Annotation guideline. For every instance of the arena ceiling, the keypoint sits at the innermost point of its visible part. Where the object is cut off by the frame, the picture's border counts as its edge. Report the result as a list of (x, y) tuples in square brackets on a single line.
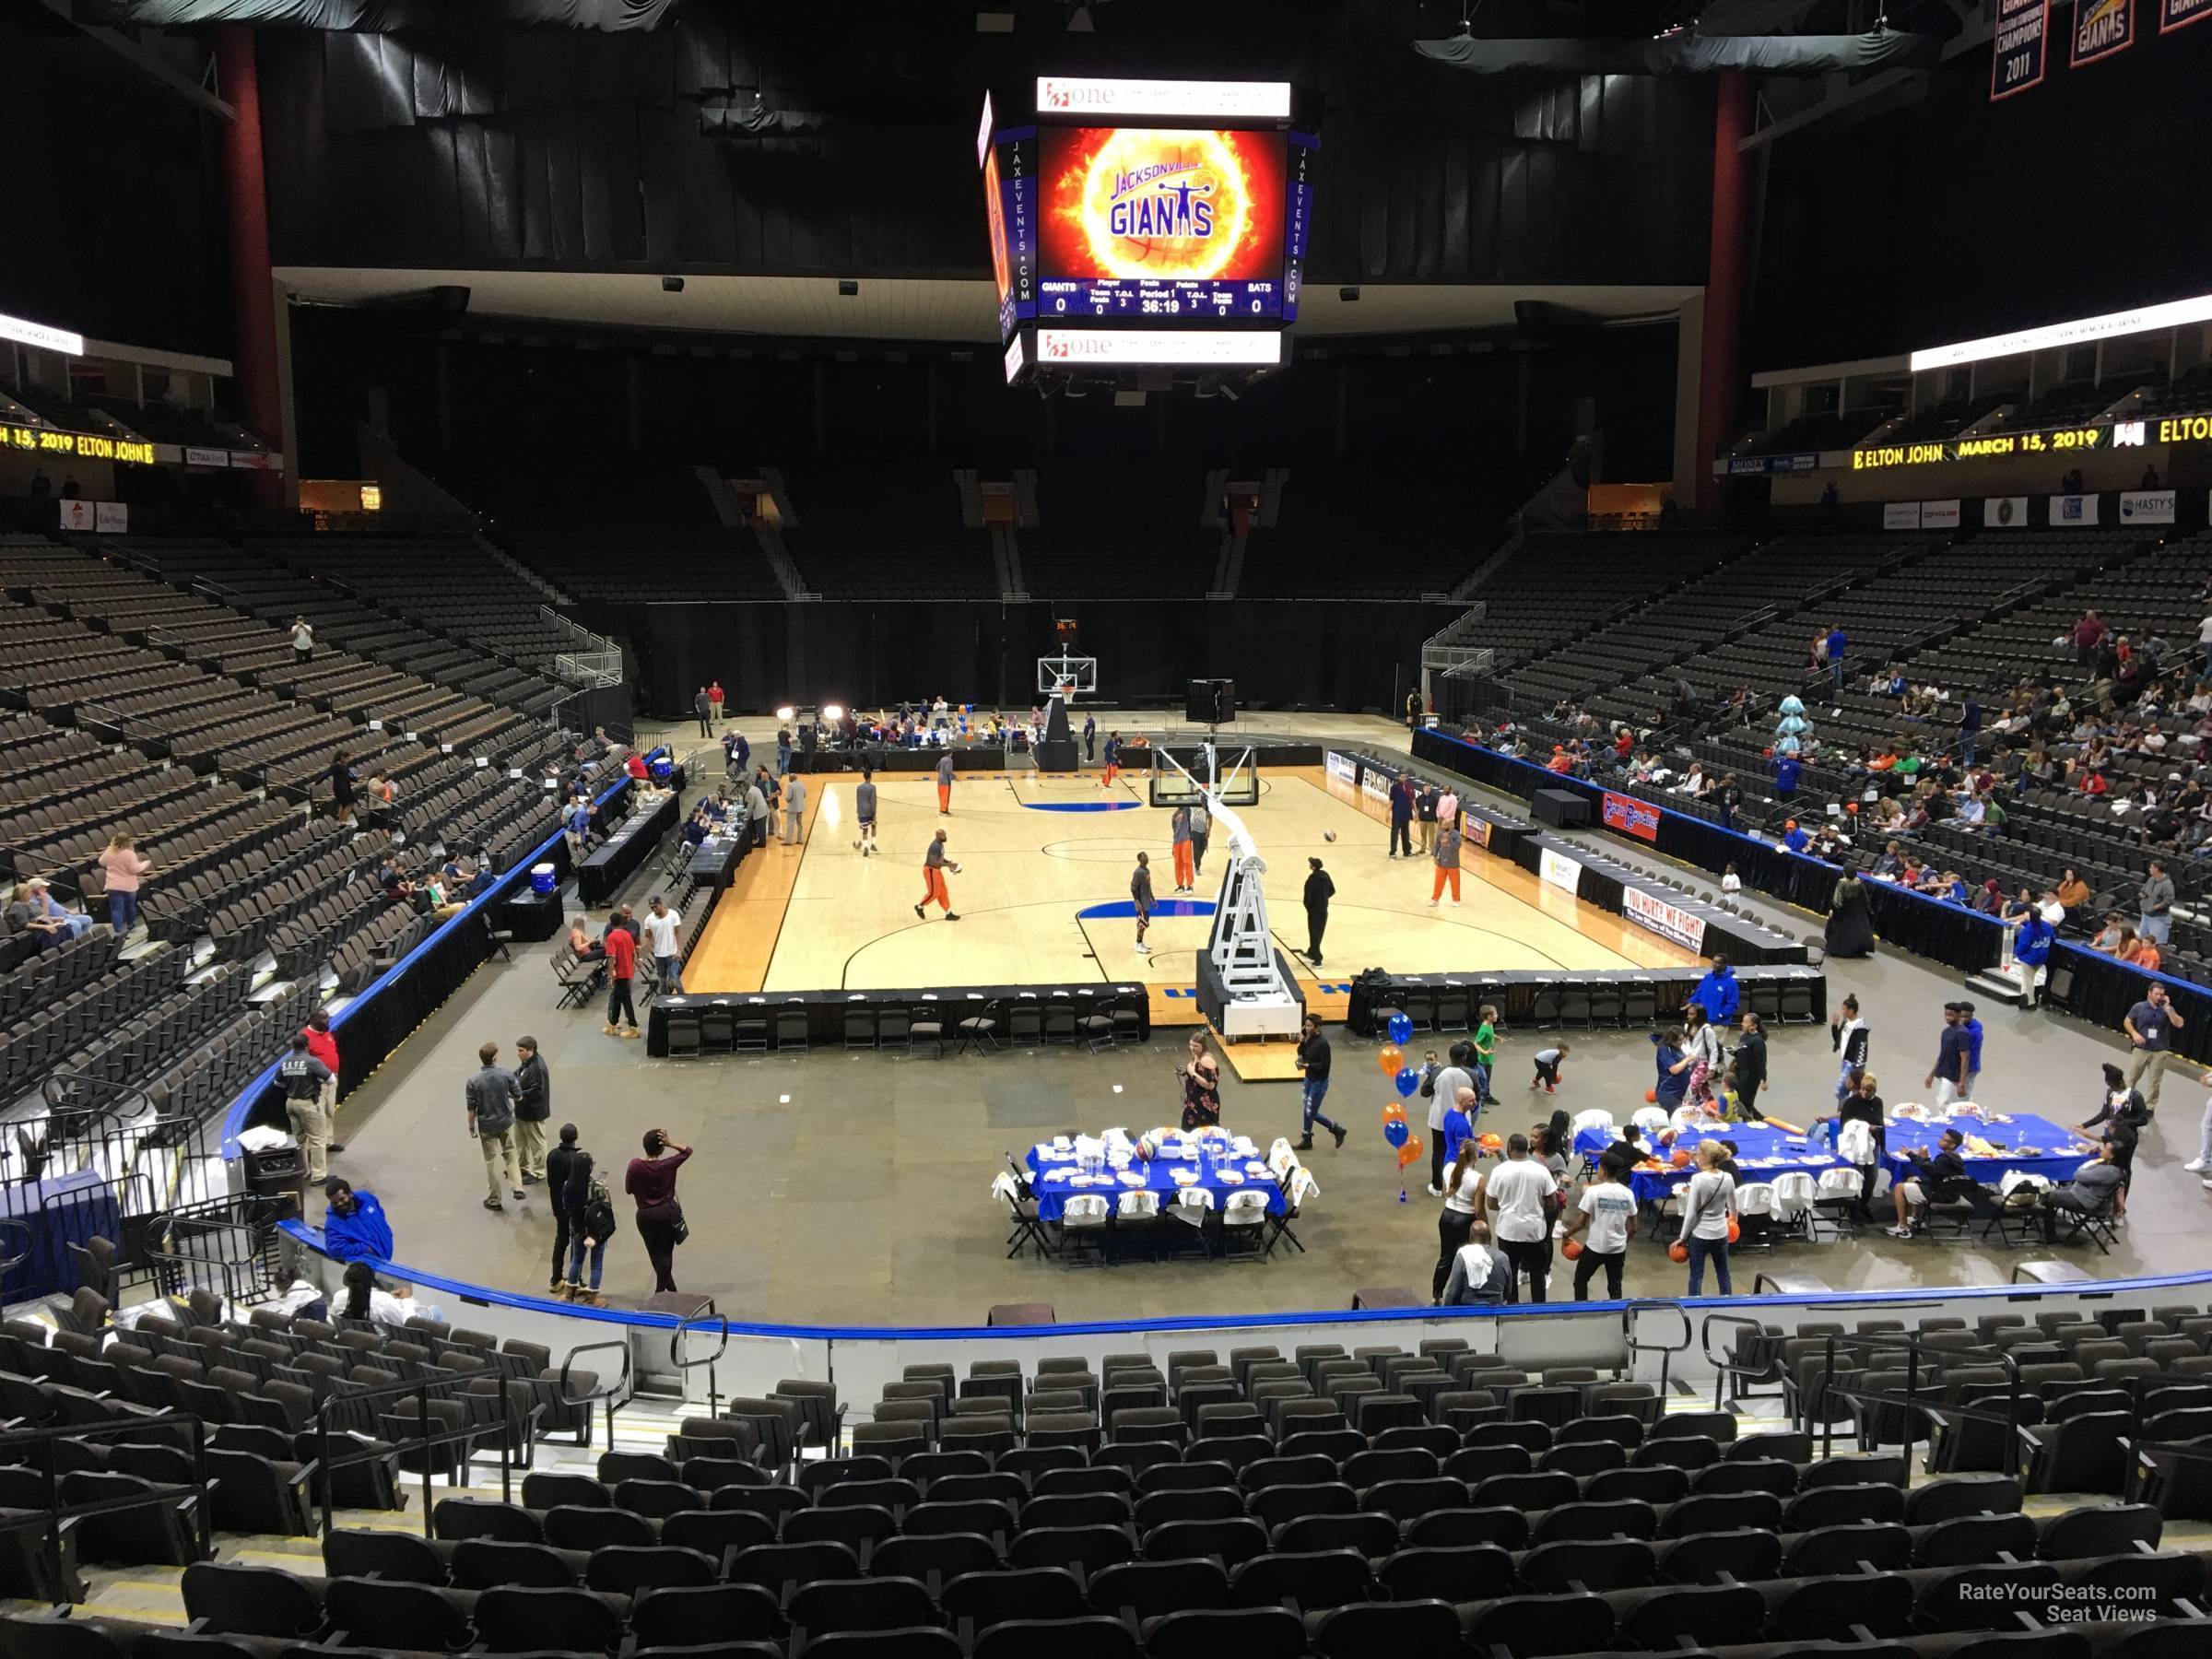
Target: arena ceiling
[(915, 308)]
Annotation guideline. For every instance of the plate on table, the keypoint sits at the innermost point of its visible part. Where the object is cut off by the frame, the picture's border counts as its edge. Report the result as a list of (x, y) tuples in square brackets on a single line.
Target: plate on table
[(1130, 1178), (1060, 1173), (1232, 1178), (1256, 1169), (1183, 1177)]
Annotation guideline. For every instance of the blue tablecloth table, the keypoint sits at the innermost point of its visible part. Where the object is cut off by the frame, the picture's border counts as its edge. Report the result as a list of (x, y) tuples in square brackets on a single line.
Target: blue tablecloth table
[(2034, 1144), (1052, 1176)]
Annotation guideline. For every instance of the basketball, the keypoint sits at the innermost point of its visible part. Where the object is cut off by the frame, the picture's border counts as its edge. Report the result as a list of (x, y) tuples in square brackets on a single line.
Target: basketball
[(1677, 1251), (1681, 1158), (1735, 1230), (1328, 835), (1573, 1250), (1650, 1097)]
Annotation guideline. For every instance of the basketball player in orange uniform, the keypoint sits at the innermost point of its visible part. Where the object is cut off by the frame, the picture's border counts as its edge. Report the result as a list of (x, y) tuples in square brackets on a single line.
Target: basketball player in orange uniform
[(1113, 759), (934, 865), (1446, 854), (945, 786), (1186, 877)]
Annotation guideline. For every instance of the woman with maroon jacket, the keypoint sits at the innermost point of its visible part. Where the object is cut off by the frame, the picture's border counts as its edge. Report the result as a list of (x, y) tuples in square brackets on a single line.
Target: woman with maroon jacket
[(660, 1224)]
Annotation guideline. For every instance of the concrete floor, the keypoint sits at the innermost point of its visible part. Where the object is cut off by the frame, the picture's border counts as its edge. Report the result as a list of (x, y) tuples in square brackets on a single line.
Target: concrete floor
[(838, 1187)]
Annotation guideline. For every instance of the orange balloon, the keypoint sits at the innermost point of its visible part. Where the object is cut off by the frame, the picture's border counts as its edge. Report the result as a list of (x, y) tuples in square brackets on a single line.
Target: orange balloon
[(1409, 1151), (1677, 1251), (1391, 1059), (1681, 1158), (1650, 1097), (1735, 1230), (1573, 1250)]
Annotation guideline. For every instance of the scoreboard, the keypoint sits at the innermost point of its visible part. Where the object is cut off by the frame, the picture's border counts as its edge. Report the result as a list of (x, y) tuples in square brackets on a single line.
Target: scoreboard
[(1193, 214)]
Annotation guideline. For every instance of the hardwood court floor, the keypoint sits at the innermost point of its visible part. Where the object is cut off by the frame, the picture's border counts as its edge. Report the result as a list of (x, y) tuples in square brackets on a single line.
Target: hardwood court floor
[(1037, 853)]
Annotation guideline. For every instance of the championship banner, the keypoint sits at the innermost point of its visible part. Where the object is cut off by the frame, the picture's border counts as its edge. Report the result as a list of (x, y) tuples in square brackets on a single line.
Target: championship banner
[(1900, 516), (1631, 817), (1939, 515), (2101, 27), (2178, 14), (2022, 47), (2005, 512), (1559, 870), (1656, 916), (2073, 510), (2146, 506)]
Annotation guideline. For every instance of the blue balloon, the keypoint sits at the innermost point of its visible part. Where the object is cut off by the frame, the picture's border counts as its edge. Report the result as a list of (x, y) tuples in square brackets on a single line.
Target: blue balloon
[(1407, 1081), (1395, 1131), (1401, 1033)]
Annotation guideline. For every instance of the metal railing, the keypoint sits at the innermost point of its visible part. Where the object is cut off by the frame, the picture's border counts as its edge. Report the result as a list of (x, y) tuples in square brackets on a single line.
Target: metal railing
[(613, 1395), (1637, 1345), (678, 1357), (353, 1403)]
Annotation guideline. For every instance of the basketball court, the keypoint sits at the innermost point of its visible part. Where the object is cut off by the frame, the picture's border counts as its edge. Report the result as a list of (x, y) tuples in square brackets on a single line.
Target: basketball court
[(1042, 896)]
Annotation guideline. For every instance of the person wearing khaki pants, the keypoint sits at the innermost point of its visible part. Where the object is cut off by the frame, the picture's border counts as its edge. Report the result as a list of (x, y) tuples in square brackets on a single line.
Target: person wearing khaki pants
[(2151, 1025), (492, 1093), (304, 1077), (536, 1106)]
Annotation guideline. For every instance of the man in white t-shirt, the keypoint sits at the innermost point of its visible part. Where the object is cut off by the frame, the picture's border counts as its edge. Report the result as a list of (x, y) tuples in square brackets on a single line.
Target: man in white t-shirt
[(1518, 1195), (1605, 1216), (661, 928)]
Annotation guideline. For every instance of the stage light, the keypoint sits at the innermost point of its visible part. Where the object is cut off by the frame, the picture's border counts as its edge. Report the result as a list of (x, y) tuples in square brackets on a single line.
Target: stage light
[(787, 713), (833, 713)]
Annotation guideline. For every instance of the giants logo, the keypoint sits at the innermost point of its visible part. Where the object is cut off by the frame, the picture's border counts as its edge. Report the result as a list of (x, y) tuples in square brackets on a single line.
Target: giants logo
[(1163, 199)]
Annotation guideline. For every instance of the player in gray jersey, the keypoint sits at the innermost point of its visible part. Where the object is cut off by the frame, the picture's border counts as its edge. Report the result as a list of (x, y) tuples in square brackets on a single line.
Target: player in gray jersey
[(864, 813)]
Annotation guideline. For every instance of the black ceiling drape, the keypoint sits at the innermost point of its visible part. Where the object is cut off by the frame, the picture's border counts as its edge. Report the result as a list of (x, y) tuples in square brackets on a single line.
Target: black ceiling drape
[(377, 16), (1689, 53)]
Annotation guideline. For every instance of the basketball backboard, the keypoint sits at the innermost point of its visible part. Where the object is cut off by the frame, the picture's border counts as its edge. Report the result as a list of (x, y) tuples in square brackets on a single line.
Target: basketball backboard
[(1066, 675)]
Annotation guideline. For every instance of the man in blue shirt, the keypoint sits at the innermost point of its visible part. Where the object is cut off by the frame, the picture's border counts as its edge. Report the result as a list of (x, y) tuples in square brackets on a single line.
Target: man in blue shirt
[(1970, 728), (1837, 641), (1954, 1059), (2031, 949), (1718, 994), (1796, 840), (576, 824), (1973, 1027), (1786, 767), (1090, 738), (354, 1226)]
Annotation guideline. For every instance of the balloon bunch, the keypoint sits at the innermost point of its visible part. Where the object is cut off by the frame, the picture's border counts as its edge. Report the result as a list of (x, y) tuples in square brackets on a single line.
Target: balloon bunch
[(1405, 1079)]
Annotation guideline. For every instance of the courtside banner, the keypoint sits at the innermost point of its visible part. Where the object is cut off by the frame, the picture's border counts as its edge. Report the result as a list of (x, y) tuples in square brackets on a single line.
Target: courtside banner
[(1474, 831), (1656, 916), (1631, 817), (1560, 870), (1340, 775), (2023, 47), (1374, 793), (2102, 27), (2176, 14)]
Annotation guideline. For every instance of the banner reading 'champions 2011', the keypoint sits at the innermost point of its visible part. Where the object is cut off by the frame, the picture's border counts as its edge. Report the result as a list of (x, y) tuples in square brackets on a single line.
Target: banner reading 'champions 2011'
[(2100, 28)]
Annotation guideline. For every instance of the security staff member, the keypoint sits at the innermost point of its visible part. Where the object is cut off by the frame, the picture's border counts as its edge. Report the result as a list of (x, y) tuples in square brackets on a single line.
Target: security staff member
[(1320, 889)]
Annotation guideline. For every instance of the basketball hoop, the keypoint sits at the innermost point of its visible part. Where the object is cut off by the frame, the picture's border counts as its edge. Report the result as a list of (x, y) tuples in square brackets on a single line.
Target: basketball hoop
[(1063, 676)]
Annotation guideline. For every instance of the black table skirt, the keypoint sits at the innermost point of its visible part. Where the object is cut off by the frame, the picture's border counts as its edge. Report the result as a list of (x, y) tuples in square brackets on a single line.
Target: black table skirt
[(601, 875), (1515, 995), (826, 1010)]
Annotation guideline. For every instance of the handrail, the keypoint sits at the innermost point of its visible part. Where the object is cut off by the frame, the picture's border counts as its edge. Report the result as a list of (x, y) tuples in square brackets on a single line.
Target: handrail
[(1914, 1347), (677, 1357), (1724, 1365), (1667, 1351), (608, 1393)]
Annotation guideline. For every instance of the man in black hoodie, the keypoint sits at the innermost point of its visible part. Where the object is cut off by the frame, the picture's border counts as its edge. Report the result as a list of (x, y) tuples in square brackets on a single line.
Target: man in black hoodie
[(560, 1164)]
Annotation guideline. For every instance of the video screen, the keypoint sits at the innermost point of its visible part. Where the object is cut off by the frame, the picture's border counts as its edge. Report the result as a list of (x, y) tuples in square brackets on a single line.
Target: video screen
[(1157, 223)]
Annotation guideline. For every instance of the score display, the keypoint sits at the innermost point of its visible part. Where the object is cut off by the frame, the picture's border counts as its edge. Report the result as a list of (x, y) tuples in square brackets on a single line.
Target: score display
[(1158, 224)]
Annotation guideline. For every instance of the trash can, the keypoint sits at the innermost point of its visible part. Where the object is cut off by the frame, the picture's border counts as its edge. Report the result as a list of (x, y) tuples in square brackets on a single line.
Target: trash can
[(279, 1172)]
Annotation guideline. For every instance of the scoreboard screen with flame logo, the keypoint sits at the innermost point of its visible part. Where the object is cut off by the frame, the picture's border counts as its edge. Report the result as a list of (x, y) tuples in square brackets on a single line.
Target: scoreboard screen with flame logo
[(1163, 223)]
